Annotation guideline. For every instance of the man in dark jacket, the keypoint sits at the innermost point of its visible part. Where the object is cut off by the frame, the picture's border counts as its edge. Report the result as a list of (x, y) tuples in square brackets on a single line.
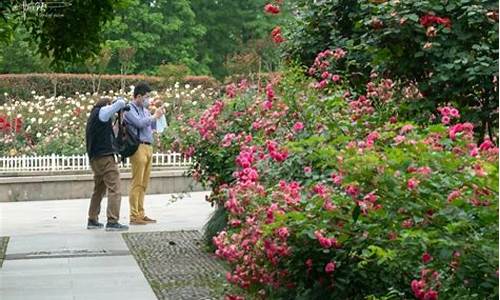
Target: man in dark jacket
[(100, 149)]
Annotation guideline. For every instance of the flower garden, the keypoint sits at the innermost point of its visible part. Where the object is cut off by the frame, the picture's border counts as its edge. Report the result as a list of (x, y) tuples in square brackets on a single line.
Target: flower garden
[(366, 169), (44, 125)]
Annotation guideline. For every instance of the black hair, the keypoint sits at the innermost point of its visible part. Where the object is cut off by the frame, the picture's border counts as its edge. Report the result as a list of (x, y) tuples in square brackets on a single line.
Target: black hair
[(141, 89)]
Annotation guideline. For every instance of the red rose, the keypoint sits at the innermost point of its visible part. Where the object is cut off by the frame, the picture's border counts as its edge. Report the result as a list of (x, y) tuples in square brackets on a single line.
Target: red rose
[(272, 9)]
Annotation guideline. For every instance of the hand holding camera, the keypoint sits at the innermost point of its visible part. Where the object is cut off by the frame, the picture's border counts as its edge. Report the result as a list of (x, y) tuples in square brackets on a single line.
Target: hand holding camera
[(158, 113)]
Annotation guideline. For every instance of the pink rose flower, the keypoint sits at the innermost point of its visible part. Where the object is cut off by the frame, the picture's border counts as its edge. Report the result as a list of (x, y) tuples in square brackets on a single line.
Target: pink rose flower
[(412, 183), (426, 257), (298, 126), (445, 120), (330, 267)]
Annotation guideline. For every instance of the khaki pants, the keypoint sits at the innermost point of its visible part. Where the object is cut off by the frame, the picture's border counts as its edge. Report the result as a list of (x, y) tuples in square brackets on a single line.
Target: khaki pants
[(106, 177), (141, 170)]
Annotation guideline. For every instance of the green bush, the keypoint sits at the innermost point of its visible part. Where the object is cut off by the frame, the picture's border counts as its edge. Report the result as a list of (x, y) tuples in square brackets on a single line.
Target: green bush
[(49, 84), (330, 198), (447, 49), (173, 73)]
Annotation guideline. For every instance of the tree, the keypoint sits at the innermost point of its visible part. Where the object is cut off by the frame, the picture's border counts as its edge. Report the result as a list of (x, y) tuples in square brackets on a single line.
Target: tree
[(231, 25), (21, 56), (97, 65), (162, 32), (65, 31)]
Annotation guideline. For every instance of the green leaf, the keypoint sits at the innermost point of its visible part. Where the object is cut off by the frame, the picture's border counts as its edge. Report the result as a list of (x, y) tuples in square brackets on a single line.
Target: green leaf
[(355, 213)]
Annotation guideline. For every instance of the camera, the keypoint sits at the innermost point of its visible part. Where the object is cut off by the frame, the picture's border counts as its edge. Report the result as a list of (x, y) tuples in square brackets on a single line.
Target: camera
[(127, 106)]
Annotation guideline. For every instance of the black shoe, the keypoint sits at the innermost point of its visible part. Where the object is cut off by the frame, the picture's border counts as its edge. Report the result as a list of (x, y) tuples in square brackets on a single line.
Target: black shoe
[(91, 224), (116, 227)]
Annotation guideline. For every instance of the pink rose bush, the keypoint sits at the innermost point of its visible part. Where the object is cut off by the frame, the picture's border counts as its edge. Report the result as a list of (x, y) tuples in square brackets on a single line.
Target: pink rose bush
[(325, 195)]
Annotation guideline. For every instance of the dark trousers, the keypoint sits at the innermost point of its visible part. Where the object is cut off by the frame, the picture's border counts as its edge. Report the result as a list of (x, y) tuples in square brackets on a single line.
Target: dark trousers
[(106, 177)]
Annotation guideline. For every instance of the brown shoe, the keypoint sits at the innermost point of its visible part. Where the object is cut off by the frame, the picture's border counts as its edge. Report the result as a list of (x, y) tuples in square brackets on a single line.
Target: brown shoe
[(148, 220), (137, 222)]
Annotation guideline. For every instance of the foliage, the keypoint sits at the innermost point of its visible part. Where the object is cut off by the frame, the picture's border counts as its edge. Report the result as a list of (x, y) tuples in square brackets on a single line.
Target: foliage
[(11, 60), (201, 35), (68, 31), (329, 196), (173, 73), (161, 32), (447, 49), (232, 27)]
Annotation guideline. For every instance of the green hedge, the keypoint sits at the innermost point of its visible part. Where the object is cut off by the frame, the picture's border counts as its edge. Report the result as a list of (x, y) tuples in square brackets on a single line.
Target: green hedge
[(49, 84)]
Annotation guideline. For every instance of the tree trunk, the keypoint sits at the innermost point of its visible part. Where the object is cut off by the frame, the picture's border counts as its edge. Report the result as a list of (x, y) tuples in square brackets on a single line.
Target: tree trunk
[(99, 83)]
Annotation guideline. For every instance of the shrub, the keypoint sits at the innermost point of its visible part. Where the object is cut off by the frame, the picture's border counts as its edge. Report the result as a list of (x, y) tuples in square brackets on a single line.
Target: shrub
[(448, 50), (21, 85), (173, 73), (329, 196)]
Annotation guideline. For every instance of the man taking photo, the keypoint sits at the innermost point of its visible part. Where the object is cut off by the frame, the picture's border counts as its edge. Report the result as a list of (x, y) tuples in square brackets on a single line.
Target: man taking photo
[(139, 122), (99, 138)]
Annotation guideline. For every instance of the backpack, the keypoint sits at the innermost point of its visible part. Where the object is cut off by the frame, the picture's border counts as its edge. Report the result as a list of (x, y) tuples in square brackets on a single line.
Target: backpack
[(125, 144)]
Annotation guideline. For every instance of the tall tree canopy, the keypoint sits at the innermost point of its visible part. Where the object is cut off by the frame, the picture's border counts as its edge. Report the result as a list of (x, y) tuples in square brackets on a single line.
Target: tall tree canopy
[(202, 35), (64, 30)]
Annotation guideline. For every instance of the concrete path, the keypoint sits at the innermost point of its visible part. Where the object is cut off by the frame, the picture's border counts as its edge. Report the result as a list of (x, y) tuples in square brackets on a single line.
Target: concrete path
[(51, 255)]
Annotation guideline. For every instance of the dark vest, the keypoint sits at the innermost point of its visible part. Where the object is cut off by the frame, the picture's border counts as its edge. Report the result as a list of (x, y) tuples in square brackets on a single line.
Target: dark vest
[(99, 135)]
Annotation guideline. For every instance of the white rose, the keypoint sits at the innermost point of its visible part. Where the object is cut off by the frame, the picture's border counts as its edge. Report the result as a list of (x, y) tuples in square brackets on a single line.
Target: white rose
[(33, 120), (38, 135), (40, 120)]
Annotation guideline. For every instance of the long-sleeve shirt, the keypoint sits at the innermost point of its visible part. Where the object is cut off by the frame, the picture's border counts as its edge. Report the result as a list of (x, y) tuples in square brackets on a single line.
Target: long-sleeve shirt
[(106, 112), (140, 118)]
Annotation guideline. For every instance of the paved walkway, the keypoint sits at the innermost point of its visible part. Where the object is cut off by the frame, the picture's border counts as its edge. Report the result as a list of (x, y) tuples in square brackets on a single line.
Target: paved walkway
[(51, 255)]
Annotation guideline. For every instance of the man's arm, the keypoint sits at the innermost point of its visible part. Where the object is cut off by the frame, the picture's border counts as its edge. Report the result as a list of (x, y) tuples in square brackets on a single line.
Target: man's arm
[(132, 117), (106, 112)]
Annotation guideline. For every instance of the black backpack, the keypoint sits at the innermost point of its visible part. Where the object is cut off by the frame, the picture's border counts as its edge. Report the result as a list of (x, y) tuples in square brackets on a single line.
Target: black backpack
[(125, 144)]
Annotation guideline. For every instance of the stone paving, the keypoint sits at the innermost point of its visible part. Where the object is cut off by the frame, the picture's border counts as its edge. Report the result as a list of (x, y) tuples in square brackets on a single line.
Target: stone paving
[(176, 265), (51, 255)]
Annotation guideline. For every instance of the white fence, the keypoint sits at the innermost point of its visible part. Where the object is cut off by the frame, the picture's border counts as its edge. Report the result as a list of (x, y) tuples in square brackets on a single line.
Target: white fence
[(57, 163)]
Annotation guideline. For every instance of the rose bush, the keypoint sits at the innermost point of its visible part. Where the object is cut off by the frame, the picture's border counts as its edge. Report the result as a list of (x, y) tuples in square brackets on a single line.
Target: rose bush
[(328, 196), (446, 49)]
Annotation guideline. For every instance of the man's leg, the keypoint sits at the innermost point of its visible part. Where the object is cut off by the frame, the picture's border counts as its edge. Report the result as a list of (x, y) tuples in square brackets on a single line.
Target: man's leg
[(99, 191), (145, 179), (111, 179), (138, 162)]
